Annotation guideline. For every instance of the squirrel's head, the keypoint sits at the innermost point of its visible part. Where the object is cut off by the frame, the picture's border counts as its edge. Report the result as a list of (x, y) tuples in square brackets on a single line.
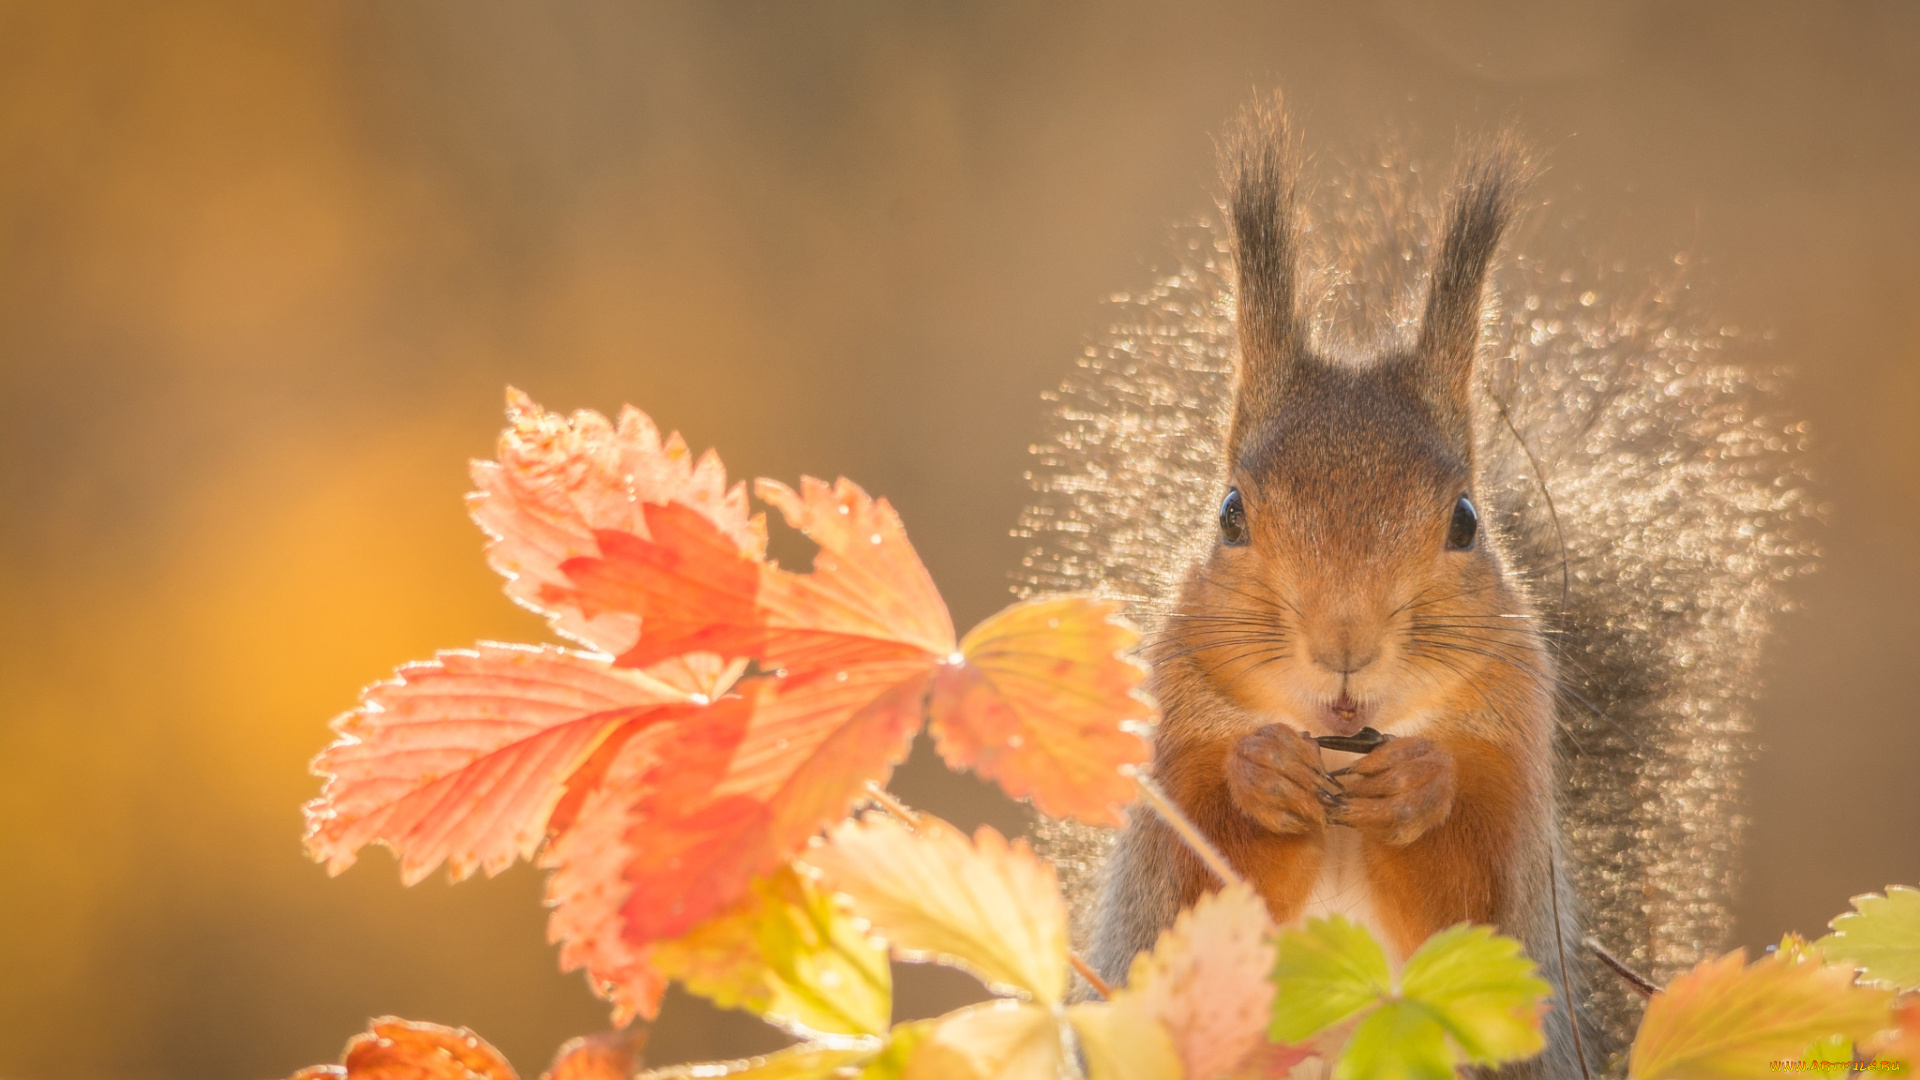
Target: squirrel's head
[(1350, 582)]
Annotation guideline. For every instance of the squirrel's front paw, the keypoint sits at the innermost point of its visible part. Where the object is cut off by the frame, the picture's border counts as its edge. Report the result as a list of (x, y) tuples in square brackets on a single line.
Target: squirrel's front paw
[(1397, 792), (1274, 777)]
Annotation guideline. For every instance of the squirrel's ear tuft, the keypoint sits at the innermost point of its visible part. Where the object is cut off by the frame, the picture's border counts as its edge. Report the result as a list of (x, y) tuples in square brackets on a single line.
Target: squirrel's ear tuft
[(1258, 163), (1477, 215)]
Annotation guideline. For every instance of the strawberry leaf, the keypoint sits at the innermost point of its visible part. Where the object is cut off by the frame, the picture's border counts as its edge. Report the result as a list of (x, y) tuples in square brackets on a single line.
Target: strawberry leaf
[(1039, 705), (1123, 1041), (396, 1049), (986, 906), (1206, 980), (1000, 1040), (1401, 1040), (561, 481), (789, 955), (809, 1061), (1727, 1019), (1482, 989), (1881, 936), (1329, 971), (461, 759), (612, 1055)]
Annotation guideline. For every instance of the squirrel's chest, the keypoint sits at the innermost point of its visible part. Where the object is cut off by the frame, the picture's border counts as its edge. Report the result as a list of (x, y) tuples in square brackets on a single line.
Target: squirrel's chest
[(1342, 887)]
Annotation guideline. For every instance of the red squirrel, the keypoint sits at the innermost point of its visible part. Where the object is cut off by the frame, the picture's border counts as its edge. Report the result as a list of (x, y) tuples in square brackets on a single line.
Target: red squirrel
[(1352, 585)]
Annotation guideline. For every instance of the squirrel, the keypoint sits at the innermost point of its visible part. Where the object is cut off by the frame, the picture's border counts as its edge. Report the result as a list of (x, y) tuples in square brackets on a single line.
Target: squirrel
[(1382, 548)]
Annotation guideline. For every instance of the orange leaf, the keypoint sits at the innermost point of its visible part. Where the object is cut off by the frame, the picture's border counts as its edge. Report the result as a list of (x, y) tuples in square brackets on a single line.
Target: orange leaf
[(461, 759), (396, 1049), (1040, 703), (559, 481), (613, 1055)]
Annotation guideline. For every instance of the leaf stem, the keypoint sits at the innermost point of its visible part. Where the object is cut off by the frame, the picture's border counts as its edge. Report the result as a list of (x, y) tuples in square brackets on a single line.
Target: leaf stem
[(1151, 794), (1093, 977), (1642, 985), (900, 811)]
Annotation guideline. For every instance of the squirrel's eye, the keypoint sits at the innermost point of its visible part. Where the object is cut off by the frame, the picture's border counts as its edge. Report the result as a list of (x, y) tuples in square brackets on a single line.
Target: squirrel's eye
[(1233, 519), (1466, 524)]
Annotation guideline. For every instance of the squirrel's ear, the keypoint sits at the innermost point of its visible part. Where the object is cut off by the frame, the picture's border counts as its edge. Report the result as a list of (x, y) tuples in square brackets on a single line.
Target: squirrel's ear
[(1258, 166), (1478, 213)]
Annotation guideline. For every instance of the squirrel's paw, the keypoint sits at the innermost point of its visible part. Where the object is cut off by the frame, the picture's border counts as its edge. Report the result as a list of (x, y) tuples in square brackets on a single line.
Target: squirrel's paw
[(1398, 792), (1274, 777)]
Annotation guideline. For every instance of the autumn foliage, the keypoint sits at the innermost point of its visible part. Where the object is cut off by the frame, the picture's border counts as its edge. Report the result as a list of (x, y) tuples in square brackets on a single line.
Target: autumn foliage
[(690, 770)]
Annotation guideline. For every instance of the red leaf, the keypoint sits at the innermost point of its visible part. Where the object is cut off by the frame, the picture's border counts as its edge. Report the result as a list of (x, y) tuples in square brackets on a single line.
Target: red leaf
[(558, 481), (396, 1049), (462, 758), (1039, 706), (807, 752), (868, 597), (638, 770)]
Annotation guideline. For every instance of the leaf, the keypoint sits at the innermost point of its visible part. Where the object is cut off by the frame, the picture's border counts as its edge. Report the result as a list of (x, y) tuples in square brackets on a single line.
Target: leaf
[(461, 759), (868, 597), (1040, 704), (1329, 971), (902, 1041), (789, 955), (1122, 1040), (396, 1049), (559, 481), (1482, 989), (1881, 936), (805, 753), (1829, 1057), (985, 906), (1726, 1019), (613, 1055), (1206, 981), (1000, 1040), (809, 1061), (639, 772), (1402, 1040)]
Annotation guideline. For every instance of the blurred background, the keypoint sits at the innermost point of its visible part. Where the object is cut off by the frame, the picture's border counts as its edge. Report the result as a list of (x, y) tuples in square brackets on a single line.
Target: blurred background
[(266, 268)]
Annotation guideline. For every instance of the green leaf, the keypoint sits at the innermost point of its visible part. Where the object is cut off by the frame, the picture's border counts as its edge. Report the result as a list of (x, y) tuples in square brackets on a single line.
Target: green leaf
[(1881, 936), (902, 1041), (807, 1062), (1403, 1040), (1328, 972), (1836, 1050), (1483, 989), (790, 954)]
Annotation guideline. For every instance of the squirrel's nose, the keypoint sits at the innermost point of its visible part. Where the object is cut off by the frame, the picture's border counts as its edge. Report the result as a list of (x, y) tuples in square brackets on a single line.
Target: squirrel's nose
[(1343, 658)]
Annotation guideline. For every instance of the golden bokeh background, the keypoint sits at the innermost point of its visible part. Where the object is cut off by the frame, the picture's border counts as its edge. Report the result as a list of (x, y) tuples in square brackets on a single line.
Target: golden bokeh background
[(266, 267)]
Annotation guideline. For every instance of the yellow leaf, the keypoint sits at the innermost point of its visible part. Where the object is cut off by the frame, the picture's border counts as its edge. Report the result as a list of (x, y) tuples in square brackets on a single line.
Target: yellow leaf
[(808, 1062), (1123, 1041), (1001, 1040), (1726, 1019), (985, 906), (789, 954)]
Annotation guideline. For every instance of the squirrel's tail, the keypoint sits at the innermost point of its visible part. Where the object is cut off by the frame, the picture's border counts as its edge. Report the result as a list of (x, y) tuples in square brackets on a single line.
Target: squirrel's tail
[(1650, 488)]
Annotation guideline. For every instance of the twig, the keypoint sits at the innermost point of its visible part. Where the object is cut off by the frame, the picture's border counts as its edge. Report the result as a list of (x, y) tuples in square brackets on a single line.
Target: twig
[(1093, 977), (1179, 822), (1642, 985), (908, 818)]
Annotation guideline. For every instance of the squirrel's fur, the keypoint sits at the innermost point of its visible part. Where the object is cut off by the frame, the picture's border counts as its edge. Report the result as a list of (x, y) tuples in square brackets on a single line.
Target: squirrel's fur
[(1535, 677)]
